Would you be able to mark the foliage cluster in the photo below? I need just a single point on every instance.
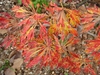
(44, 38)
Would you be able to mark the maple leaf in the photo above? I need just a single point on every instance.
(20, 12)
(3, 21)
(6, 15)
(39, 17)
(98, 62)
(86, 20)
(88, 27)
(7, 42)
(89, 69)
(53, 29)
(34, 61)
(93, 45)
(62, 29)
(20, 15)
(43, 32)
(76, 69)
(94, 10)
(87, 15)
(47, 48)
(73, 17)
(18, 9)
(72, 41)
(74, 55)
(53, 8)
(27, 25)
(56, 58)
(73, 31)
(96, 56)
(28, 20)
(30, 33)
(68, 62)
(44, 45)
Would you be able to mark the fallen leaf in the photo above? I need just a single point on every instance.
(82, 8)
(10, 71)
(3, 31)
(97, 19)
(14, 55)
(17, 63)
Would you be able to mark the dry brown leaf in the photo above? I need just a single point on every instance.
(3, 31)
(17, 63)
(82, 9)
(10, 71)
(97, 19)
(14, 55)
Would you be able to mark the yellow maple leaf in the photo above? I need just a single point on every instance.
(73, 17)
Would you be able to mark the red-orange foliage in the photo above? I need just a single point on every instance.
(43, 38)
